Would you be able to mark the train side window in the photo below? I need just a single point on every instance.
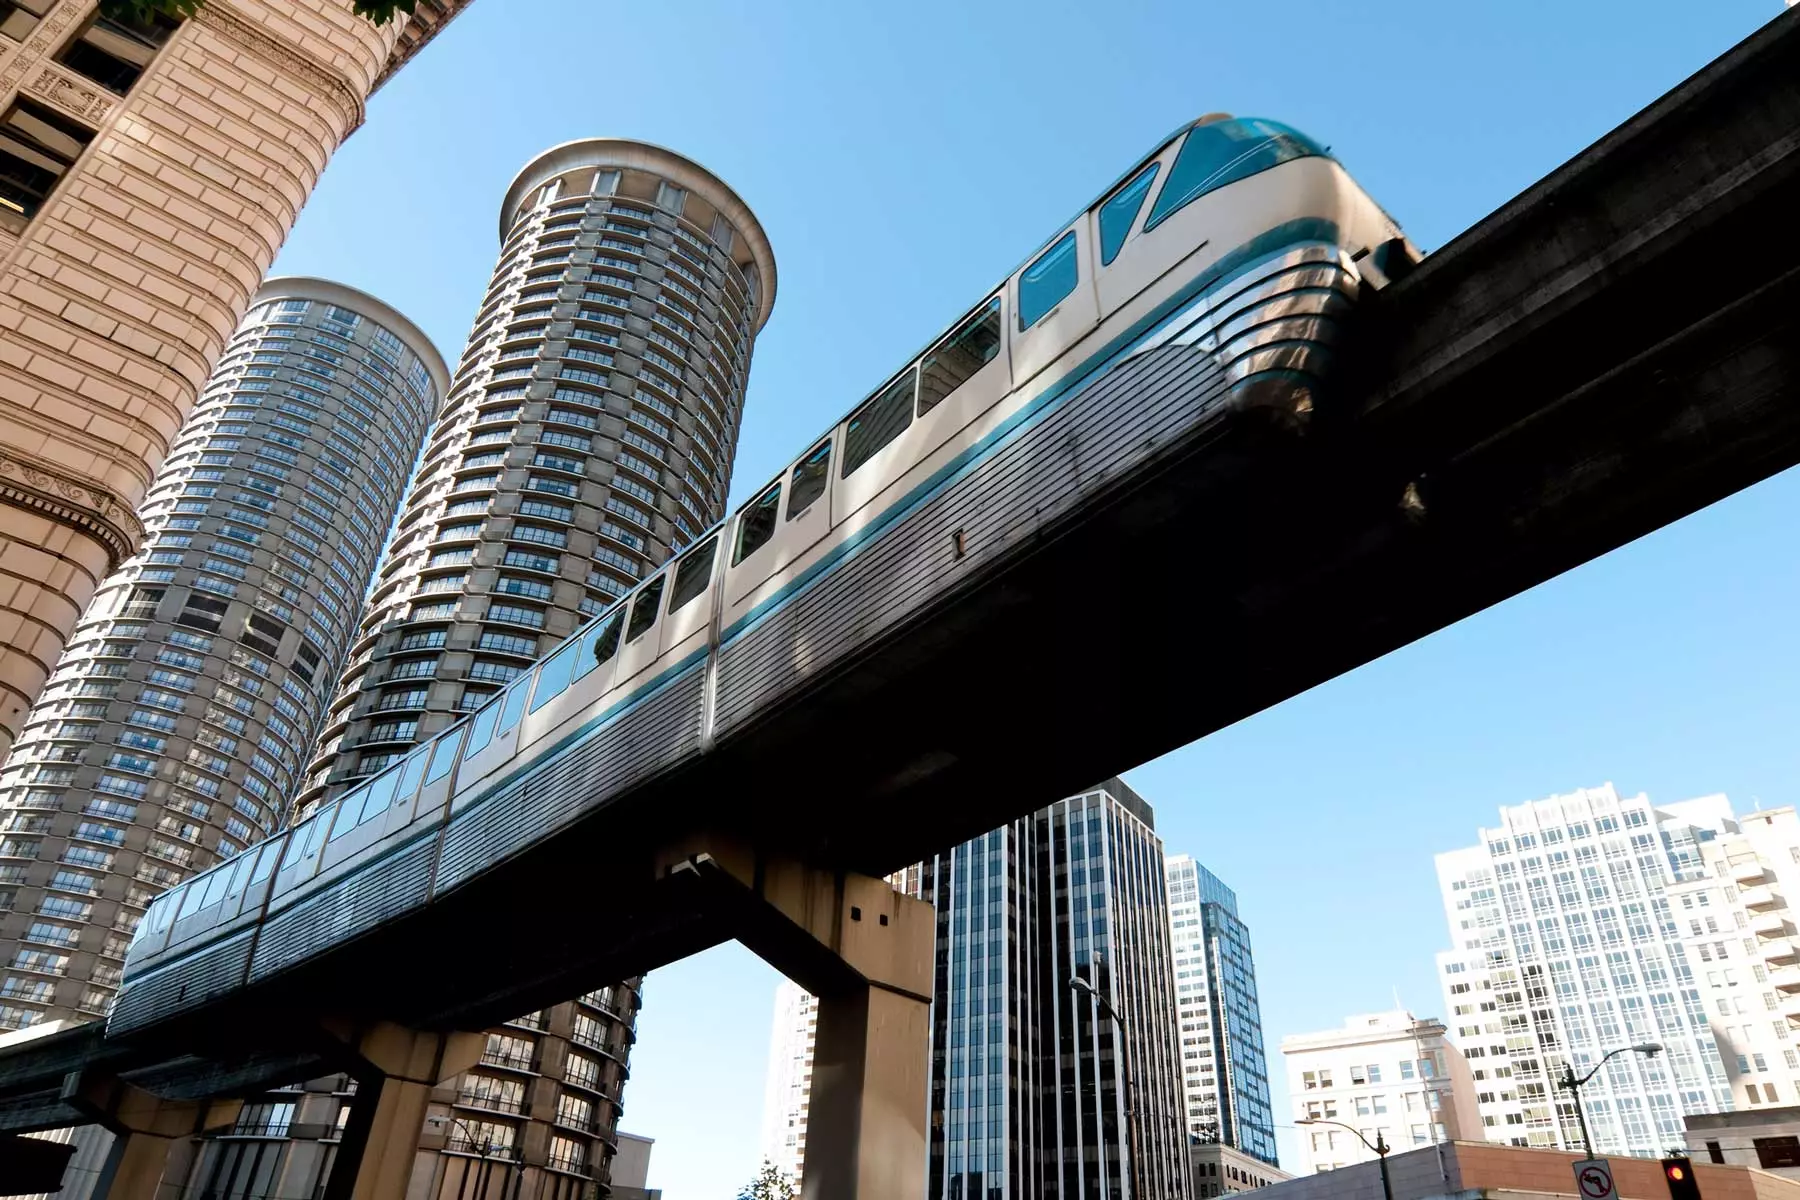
(1045, 282)
(643, 609)
(604, 639)
(482, 732)
(808, 481)
(381, 794)
(878, 422)
(215, 886)
(1119, 214)
(756, 524)
(409, 780)
(512, 706)
(240, 878)
(554, 675)
(953, 361)
(693, 573)
(265, 866)
(443, 755)
(191, 898)
(352, 806)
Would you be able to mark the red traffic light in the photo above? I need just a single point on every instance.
(1679, 1174)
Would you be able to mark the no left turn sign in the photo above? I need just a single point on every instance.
(1594, 1179)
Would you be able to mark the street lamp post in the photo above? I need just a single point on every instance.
(1572, 1085)
(1078, 984)
(1380, 1148)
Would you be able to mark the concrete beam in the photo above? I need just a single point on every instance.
(395, 1069)
(145, 1127)
(865, 951)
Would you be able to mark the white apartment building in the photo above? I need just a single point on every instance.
(1567, 947)
(1740, 932)
(1388, 1076)
(789, 1081)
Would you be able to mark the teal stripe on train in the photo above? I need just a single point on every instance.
(1241, 261)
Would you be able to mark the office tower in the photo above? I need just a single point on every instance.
(1028, 1076)
(1735, 916)
(587, 435)
(1389, 1076)
(1028, 1093)
(169, 735)
(148, 175)
(1225, 1071)
(787, 1086)
(1567, 948)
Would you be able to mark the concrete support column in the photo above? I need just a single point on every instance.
(146, 1128)
(865, 1117)
(399, 1067)
(865, 951)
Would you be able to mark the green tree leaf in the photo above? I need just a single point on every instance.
(769, 1184)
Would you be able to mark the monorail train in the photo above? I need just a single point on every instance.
(1210, 278)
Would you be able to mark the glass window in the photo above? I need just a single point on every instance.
(956, 358)
(1045, 282)
(36, 147)
(443, 755)
(352, 806)
(599, 643)
(693, 573)
(265, 866)
(756, 524)
(1225, 152)
(482, 731)
(878, 422)
(809, 479)
(643, 609)
(513, 705)
(1118, 214)
(554, 676)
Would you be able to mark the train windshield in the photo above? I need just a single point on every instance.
(1224, 152)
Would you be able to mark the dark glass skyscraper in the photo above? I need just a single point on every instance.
(1225, 1070)
(1029, 1092)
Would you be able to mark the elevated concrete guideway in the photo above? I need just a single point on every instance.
(1612, 350)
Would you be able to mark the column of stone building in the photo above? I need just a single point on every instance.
(588, 436)
(169, 735)
(148, 175)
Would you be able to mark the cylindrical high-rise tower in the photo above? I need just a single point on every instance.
(588, 435)
(170, 733)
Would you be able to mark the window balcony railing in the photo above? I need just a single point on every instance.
(490, 1103)
(516, 1060)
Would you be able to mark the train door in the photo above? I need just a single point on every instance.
(639, 649)
(769, 535)
(1054, 302)
(689, 610)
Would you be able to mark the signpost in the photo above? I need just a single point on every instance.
(1594, 1180)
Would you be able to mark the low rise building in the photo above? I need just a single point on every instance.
(1386, 1076)
(1221, 1170)
(1492, 1171)
(1766, 1138)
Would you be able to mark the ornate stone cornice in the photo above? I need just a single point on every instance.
(65, 90)
(47, 35)
(28, 482)
(222, 19)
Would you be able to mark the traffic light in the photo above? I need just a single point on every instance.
(1680, 1174)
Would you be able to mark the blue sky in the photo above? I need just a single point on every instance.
(903, 158)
